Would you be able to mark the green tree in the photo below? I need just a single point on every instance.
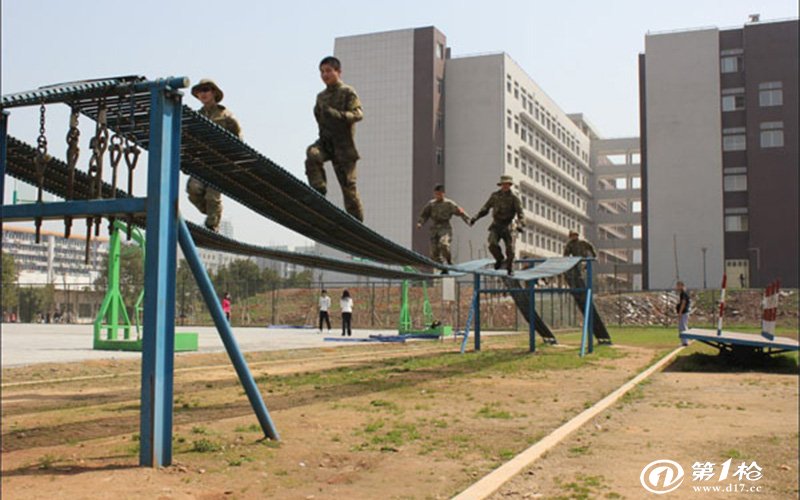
(241, 278)
(34, 301)
(300, 280)
(9, 283)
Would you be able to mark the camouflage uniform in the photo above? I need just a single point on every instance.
(578, 248)
(337, 110)
(504, 205)
(205, 198)
(440, 213)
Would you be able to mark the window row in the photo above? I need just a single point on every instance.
(544, 117)
(549, 211)
(540, 176)
(769, 94)
(735, 139)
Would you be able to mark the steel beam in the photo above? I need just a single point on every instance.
(158, 343)
(78, 208)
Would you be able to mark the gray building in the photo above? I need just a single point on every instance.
(719, 155)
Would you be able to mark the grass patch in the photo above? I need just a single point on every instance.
(204, 445)
(492, 410)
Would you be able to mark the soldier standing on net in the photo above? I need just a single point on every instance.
(207, 199)
(337, 110)
(439, 210)
(504, 205)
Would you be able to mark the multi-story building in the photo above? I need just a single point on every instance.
(500, 122)
(55, 260)
(616, 211)
(719, 142)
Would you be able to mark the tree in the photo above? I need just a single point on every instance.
(131, 274)
(9, 276)
(300, 280)
(34, 301)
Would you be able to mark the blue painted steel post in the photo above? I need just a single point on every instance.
(158, 343)
(3, 146)
(224, 328)
(532, 315)
(590, 300)
(477, 286)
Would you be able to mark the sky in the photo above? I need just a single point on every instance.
(264, 55)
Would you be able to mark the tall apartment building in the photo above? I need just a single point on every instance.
(500, 122)
(719, 142)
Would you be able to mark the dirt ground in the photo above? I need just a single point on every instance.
(384, 421)
(685, 416)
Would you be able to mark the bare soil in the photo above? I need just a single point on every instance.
(683, 415)
(378, 421)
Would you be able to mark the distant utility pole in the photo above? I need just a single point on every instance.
(704, 249)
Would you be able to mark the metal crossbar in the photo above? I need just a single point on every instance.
(20, 165)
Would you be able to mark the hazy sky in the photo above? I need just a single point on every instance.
(264, 55)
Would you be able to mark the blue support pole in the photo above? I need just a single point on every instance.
(477, 286)
(158, 343)
(224, 328)
(532, 315)
(589, 301)
(3, 146)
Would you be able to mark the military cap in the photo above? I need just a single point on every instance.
(573, 233)
(506, 179)
(439, 187)
(208, 83)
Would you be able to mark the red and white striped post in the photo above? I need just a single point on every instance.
(722, 304)
(770, 310)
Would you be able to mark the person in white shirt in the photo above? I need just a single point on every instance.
(346, 303)
(324, 306)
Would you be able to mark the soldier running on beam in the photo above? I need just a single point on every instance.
(439, 210)
(504, 205)
(337, 110)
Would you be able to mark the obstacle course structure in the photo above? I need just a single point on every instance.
(746, 346)
(113, 318)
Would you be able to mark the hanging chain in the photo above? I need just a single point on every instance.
(73, 153)
(115, 154)
(132, 153)
(41, 163)
(98, 145)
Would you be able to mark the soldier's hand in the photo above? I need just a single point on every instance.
(333, 113)
(419, 225)
(472, 222)
(521, 229)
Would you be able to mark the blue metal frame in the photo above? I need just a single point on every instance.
(78, 208)
(223, 326)
(3, 147)
(531, 289)
(158, 342)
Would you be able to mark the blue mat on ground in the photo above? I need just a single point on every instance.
(371, 338)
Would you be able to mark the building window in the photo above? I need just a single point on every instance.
(636, 207)
(508, 86)
(735, 183)
(440, 85)
(770, 94)
(439, 51)
(772, 134)
(734, 139)
(637, 232)
(636, 182)
(735, 223)
(730, 64)
(508, 121)
(733, 102)
(439, 156)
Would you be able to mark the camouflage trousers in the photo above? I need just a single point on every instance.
(496, 235)
(440, 244)
(207, 200)
(316, 156)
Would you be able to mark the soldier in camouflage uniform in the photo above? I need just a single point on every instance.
(504, 205)
(204, 197)
(440, 210)
(337, 110)
(577, 247)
